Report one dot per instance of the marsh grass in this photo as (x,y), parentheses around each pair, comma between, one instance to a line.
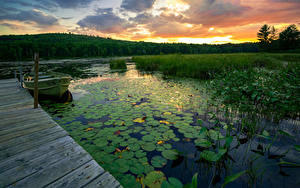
(204,66)
(117,64)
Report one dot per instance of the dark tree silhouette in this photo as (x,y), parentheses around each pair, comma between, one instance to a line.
(60,45)
(263,34)
(289,38)
(266,35)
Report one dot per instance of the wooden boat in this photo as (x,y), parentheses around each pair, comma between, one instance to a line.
(52,84)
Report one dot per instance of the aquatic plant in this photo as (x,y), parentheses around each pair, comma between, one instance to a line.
(117,64)
(203,66)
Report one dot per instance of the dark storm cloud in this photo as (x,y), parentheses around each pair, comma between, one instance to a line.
(105,21)
(137,5)
(31,16)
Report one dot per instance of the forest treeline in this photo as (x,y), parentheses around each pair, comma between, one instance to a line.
(61,45)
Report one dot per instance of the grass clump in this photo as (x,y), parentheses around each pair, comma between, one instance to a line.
(203,66)
(117,64)
(272,93)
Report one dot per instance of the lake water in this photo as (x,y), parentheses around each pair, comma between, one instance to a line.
(145,128)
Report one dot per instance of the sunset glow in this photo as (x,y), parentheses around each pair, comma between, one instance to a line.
(189,21)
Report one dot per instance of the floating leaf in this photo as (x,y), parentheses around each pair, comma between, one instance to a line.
(149,146)
(154,179)
(164,122)
(139,120)
(158,161)
(203,143)
(172,183)
(212,156)
(170,154)
(167,113)
(89,129)
(137,168)
(233,177)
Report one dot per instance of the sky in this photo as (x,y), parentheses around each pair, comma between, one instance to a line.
(188,21)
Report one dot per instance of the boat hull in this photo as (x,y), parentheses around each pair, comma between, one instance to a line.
(55,87)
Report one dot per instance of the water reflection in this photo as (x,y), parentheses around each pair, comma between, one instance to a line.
(152,115)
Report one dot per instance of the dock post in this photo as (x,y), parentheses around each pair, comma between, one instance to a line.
(36,78)
(21,77)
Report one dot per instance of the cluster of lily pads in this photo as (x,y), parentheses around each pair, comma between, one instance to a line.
(131,126)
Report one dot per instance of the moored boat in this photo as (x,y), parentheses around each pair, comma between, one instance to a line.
(51,84)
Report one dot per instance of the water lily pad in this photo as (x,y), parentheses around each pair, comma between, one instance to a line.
(137,168)
(170,154)
(172,183)
(139,120)
(203,143)
(148,146)
(212,156)
(154,179)
(128,180)
(147,138)
(158,161)
(140,154)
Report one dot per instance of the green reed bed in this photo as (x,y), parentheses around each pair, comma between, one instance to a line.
(203,66)
(117,64)
(266,84)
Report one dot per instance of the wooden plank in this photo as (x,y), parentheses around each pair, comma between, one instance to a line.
(43,150)
(25,130)
(35,142)
(52,168)
(80,177)
(33,137)
(36,152)
(43,170)
(23,118)
(17,113)
(20,124)
(3,81)
(104,181)
(23,105)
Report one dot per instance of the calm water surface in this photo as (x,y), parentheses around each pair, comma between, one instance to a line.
(134,124)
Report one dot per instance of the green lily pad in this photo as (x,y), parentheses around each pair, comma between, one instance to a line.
(140,154)
(203,143)
(148,146)
(172,183)
(170,154)
(212,156)
(128,180)
(158,161)
(154,179)
(137,168)
(147,138)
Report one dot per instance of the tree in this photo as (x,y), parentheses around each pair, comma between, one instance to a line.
(290,37)
(263,34)
(266,35)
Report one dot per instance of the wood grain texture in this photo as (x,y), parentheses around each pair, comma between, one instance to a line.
(36,152)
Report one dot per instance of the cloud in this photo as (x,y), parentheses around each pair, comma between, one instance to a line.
(35,16)
(137,5)
(105,21)
(72,3)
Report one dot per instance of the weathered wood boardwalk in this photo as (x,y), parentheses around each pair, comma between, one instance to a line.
(36,152)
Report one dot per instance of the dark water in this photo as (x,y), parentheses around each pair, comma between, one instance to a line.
(134,124)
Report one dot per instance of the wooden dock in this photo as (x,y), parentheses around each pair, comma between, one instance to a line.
(36,152)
